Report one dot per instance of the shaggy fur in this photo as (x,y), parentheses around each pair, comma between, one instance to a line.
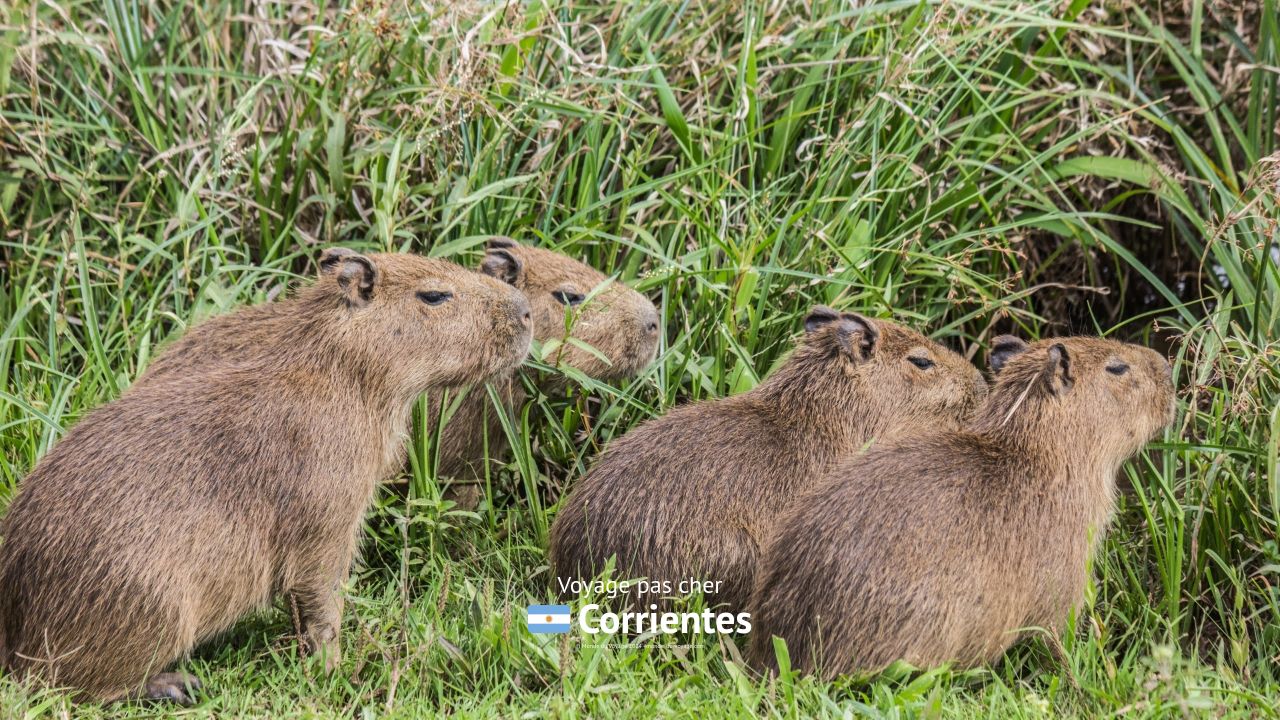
(941,548)
(163,517)
(695,493)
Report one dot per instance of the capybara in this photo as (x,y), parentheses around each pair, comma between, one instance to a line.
(946,547)
(166,515)
(619,324)
(693,494)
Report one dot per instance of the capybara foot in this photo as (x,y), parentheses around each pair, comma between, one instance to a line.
(331,654)
(172,687)
(323,643)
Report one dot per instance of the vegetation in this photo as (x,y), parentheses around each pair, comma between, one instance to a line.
(1039,167)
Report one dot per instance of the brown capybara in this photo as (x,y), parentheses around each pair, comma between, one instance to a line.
(618,323)
(946,547)
(164,516)
(693,494)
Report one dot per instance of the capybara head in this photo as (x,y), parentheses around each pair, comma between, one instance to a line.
(1115,394)
(924,382)
(409,315)
(572,300)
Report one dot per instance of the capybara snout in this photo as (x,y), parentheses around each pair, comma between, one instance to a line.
(512,322)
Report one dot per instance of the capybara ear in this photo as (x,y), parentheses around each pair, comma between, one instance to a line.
(859,336)
(356,274)
(1004,348)
(500,264)
(500,241)
(1057,369)
(819,317)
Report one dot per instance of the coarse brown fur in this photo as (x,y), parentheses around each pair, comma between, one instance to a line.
(693,494)
(617,322)
(166,515)
(943,548)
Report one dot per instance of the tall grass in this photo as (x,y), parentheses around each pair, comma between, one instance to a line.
(970,168)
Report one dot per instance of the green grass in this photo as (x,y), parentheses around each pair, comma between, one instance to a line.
(970,168)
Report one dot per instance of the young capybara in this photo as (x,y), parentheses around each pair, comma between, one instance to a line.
(620,324)
(694,494)
(946,547)
(164,516)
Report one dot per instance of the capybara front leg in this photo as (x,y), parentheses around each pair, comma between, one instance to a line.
(320,612)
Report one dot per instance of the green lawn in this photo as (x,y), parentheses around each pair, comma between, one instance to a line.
(971,168)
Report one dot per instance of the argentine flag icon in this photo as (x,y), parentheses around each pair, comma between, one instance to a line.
(548,618)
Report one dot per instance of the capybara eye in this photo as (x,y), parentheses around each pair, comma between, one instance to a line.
(1118,368)
(923,363)
(565,297)
(434,297)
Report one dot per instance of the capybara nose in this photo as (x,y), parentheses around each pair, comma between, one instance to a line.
(649,321)
(522,311)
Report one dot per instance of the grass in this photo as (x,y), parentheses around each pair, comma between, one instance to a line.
(970,168)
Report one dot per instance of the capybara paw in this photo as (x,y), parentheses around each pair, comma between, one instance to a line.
(324,644)
(174,687)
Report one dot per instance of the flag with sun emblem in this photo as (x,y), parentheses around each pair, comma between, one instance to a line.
(548,618)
